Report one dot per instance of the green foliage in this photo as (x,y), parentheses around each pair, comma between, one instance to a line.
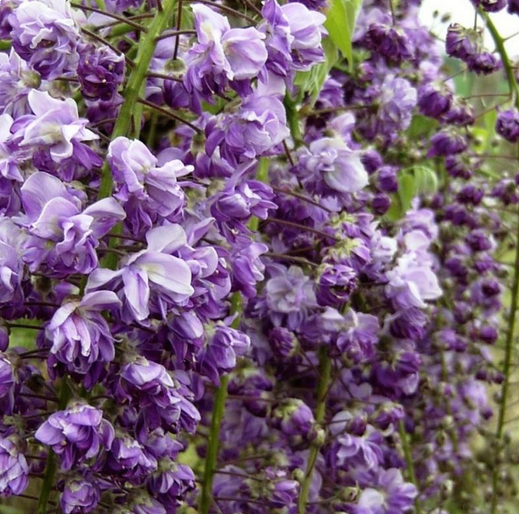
(340,24)
(421,126)
(311,82)
(413,181)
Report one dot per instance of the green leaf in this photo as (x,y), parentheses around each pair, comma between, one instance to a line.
(421,126)
(426,181)
(340,24)
(312,81)
(414,181)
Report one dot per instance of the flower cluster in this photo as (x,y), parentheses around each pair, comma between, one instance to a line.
(239,274)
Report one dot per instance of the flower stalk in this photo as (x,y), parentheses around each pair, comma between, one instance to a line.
(512,318)
(325,368)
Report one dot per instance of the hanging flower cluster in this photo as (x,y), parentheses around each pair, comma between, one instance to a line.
(242,271)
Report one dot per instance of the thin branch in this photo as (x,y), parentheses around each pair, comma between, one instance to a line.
(122,19)
(170,114)
(102,40)
(224,9)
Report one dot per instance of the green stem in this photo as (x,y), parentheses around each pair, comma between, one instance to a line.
(325,369)
(293,120)
(50,467)
(206,496)
(213,445)
(510,329)
(262,174)
(130,108)
(500,47)
(408,460)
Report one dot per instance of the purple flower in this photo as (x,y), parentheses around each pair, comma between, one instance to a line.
(446,143)
(462,43)
(278,38)
(61,236)
(435,100)
(220,353)
(11,265)
(100,72)
(356,333)
(412,282)
(46,36)
(484,63)
(14,470)
(381,204)
(16,81)
(289,293)
(257,128)
(507,125)
(397,102)
(152,276)
(143,185)
(130,459)
(80,334)
(248,269)
(79,495)
(491,5)
(387,179)
(306,32)
(352,448)
(390,42)
(293,417)
(330,167)
(55,126)
(222,54)
(7,383)
(150,387)
(335,285)
(513,6)
(282,342)
(171,482)
(9,160)
(238,202)
(76,434)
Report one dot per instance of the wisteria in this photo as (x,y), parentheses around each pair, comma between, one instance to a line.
(256,257)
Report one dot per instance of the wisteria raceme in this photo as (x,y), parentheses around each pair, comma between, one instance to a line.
(245,268)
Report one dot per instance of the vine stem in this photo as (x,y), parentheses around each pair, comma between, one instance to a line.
(134,86)
(510,329)
(325,369)
(131,107)
(406,447)
(213,444)
(206,496)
